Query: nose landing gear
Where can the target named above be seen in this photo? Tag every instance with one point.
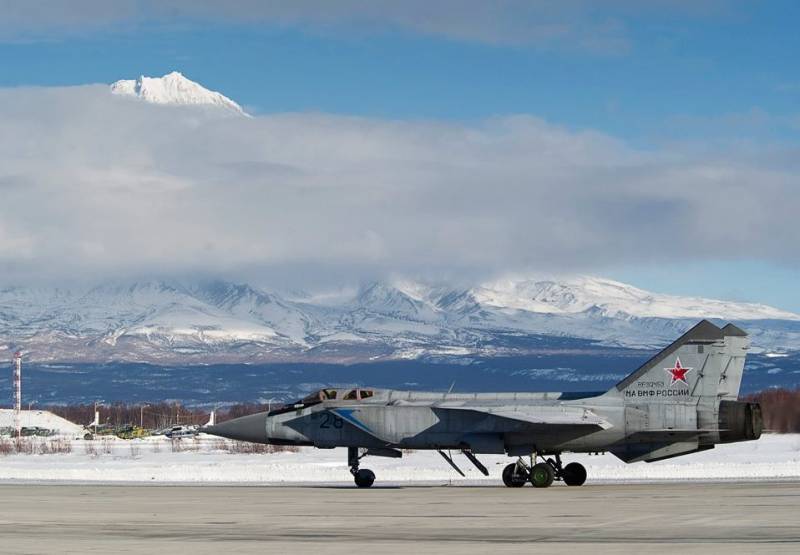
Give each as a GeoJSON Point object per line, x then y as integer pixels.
{"type": "Point", "coordinates": [364, 478]}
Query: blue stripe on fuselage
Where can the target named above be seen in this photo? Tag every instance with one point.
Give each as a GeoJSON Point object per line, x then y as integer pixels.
{"type": "Point", "coordinates": [347, 414]}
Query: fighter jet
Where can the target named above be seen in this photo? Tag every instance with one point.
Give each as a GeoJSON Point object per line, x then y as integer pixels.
{"type": "Point", "coordinates": [683, 400]}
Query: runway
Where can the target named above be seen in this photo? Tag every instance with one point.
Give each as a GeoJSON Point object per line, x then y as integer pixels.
{"type": "Point", "coordinates": [692, 517]}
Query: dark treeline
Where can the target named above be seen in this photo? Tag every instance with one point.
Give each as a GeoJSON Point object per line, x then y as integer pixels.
{"type": "Point", "coordinates": [151, 416]}
{"type": "Point", "coordinates": [781, 409]}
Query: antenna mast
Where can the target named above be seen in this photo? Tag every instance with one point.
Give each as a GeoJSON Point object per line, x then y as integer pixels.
{"type": "Point", "coordinates": [17, 392]}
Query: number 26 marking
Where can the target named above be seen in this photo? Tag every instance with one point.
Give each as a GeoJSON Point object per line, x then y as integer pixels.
{"type": "Point", "coordinates": [329, 420]}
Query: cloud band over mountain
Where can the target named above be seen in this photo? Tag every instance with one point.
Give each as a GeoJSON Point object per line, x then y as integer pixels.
{"type": "Point", "coordinates": [95, 184]}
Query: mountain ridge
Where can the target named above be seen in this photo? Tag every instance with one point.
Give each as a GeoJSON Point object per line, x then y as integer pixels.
{"type": "Point", "coordinates": [173, 321]}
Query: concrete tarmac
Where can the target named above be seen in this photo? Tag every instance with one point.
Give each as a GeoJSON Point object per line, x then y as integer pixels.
{"type": "Point", "coordinates": [644, 518]}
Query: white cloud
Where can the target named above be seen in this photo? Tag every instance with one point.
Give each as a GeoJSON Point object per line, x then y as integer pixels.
{"type": "Point", "coordinates": [577, 25]}
{"type": "Point", "coordinates": [94, 184]}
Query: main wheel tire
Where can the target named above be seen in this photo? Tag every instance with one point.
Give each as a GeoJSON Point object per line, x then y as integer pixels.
{"type": "Point", "coordinates": [364, 478]}
{"type": "Point", "coordinates": [542, 475]}
{"type": "Point", "coordinates": [574, 474]}
{"type": "Point", "coordinates": [514, 477]}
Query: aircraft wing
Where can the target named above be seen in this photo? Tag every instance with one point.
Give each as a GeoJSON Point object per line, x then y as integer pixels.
{"type": "Point", "coordinates": [546, 416]}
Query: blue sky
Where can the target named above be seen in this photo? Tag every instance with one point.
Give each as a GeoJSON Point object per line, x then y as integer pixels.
{"type": "Point", "coordinates": [739, 59]}
{"type": "Point", "coordinates": [691, 76]}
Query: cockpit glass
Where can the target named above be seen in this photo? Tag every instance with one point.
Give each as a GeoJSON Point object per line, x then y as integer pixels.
{"type": "Point", "coordinates": [333, 394]}
{"type": "Point", "coordinates": [321, 395]}
{"type": "Point", "coordinates": [358, 394]}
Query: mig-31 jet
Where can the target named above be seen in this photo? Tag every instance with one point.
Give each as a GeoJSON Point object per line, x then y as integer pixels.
{"type": "Point", "coordinates": [681, 401]}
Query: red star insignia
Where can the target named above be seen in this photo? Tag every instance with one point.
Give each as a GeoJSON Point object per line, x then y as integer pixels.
{"type": "Point", "coordinates": [678, 373]}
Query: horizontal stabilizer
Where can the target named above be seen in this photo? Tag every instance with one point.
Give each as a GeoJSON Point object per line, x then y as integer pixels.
{"type": "Point", "coordinates": [652, 452]}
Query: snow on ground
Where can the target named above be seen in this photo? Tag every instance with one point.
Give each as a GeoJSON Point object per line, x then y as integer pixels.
{"type": "Point", "coordinates": [41, 419]}
{"type": "Point", "coordinates": [153, 460]}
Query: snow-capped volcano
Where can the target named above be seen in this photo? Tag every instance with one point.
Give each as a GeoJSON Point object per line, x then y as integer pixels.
{"type": "Point", "coordinates": [174, 88]}
{"type": "Point", "coordinates": [225, 322]}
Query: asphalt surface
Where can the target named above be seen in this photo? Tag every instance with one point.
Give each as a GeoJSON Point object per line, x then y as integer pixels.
{"type": "Point", "coordinates": [690, 517]}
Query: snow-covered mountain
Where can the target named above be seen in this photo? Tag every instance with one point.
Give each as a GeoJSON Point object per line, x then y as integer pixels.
{"type": "Point", "coordinates": [614, 299]}
{"type": "Point", "coordinates": [174, 88]}
{"type": "Point", "coordinates": [219, 321]}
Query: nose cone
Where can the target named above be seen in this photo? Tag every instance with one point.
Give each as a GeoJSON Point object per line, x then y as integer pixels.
{"type": "Point", "coordinates": [252, 428]}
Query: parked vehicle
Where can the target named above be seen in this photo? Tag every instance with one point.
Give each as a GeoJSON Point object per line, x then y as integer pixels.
{"type": "Point", "coordinates": [177, 432]}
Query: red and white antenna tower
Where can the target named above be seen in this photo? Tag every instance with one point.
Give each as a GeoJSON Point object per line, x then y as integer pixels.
{"type": "Point", "coordinates": [17, 392]}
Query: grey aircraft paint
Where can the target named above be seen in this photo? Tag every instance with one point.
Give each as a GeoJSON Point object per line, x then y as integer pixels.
{"type": "Point", "coordinates": [681, 401]}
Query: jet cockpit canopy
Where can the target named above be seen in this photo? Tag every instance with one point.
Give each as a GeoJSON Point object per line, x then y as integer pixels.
{"type": "Point", "coordinates": [321, 395]}
{"type": "Point", "coordinates": [331, 394]}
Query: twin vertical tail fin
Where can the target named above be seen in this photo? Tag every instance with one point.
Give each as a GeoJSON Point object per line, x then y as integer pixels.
{"type": "Point", "coordinates": [705, 362]}
{"type": "Point", "coordinates": [684, 399]}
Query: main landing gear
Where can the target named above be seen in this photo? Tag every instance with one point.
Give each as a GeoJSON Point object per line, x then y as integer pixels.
{"type": "Point", "coordinates": [364, 478]}
{"type": "Point", "coordinates": [543, 474]}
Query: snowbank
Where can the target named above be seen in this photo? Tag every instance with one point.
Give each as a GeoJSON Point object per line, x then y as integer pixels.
{"type": "Point", "coordinates": [773, 457]}
{"type": "Point", "coordinates": [41, 419]}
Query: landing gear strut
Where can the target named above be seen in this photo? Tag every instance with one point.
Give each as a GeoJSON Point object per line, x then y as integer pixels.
{"type": "Point", "coordinates": [542, 474]}
{"type": "Point", "coordinates": [574, 474]}
{"type": "Point", "coordinates": [364, 478]}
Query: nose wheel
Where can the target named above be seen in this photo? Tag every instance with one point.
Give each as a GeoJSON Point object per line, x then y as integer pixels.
{"type": "Point", "coordinates": [363, 477]}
